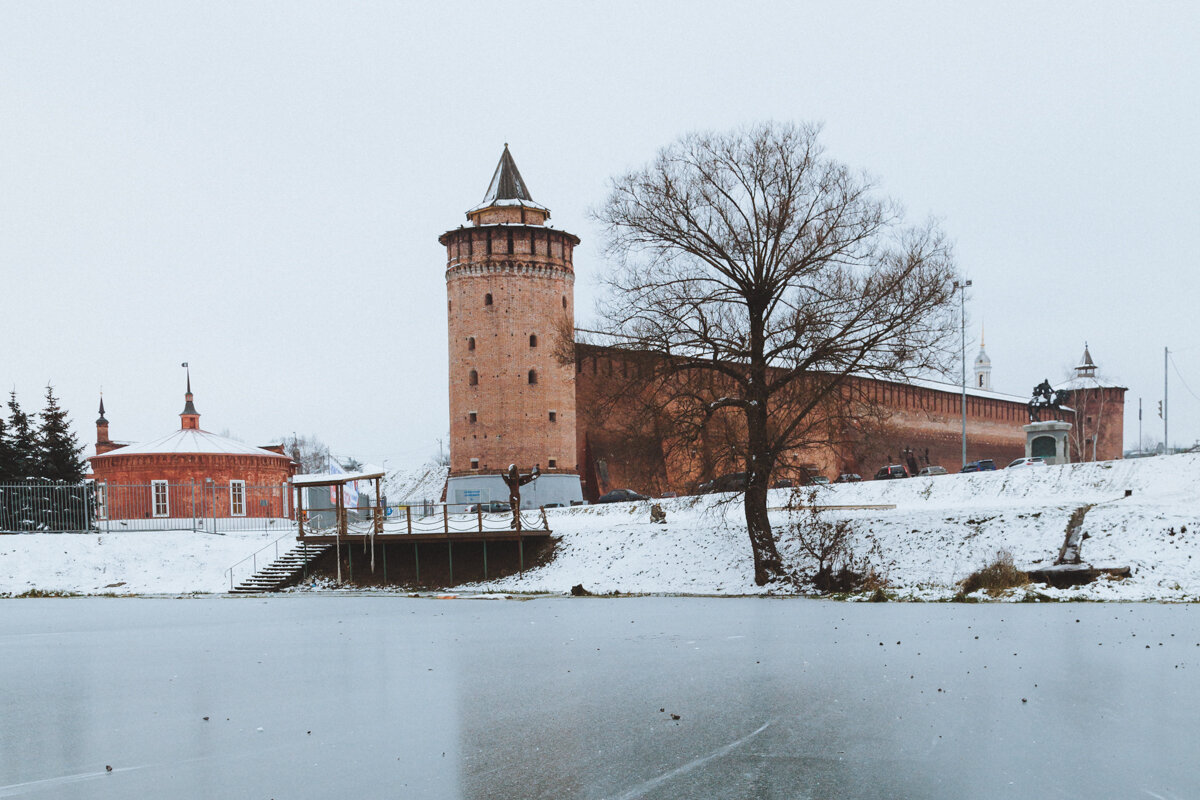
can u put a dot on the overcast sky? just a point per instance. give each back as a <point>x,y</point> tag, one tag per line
<point>258,188</point>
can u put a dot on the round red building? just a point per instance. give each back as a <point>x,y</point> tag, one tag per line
<point>189,474</point>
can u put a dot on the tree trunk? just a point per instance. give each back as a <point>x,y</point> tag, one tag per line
<point>767,564</point>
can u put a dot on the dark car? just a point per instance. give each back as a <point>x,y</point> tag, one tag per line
<point>494,507</point>
<point>891,472</point>
<point>982,465</point>
<point>733,482</point>
<point>621,496</point>
<point>817,480</point>
<point>848,477</point>
<point>783,483</point>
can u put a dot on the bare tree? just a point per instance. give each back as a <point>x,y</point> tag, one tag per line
<point>309,452</point>
<point>766,275</point>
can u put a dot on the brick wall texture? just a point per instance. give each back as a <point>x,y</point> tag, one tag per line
<point>509,289</point>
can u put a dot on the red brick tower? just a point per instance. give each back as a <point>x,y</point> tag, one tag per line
<point>509,285</point>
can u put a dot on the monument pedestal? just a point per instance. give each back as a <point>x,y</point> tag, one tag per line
<point>1048,440</point>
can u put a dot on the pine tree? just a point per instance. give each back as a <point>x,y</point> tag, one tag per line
<point>57,448</point>
<point>7,455</point>
<point>20,441</point>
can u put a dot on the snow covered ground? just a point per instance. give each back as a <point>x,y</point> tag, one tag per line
<point>941,530</point>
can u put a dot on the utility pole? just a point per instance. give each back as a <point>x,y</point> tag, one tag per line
<point>1166,441</point>
<point>962,315</point>
<point>1139,426</point>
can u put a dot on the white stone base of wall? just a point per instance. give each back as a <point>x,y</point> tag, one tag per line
<point>555,488</point>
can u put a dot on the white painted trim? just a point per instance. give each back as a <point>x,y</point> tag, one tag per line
<point>166,498</point>
<point>240,487</point>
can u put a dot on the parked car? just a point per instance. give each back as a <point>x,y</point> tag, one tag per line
<point>932,470</point>
<point>891,472</point>
<point>665,495</point>
<point>494,507</point>
<point>732,482</point>
<point>1036,461</point>
<point>621,496</point>
<point>982,465</point>
<point>817,480</point>
<point>848,477</point>
<point>783,483</point>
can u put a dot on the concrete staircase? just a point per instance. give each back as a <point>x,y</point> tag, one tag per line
<point>282,570</point>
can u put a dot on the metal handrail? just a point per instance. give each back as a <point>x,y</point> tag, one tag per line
<point>253,557</point>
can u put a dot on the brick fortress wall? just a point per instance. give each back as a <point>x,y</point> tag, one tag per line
<point>925,420</point>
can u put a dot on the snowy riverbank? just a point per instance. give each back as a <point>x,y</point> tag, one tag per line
<point>940,530</point>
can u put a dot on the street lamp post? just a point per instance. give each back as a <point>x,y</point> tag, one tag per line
<point>961,287</point>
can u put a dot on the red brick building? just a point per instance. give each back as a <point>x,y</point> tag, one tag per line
<point>510,292</point>
<point>189,473</point>
<point>515,398</point>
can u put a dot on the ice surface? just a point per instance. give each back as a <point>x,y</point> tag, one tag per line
<point>320,696</point>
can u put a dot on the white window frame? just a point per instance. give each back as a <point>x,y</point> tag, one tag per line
<point>237,492</point>
<point>166,498</point>
<point>101,501</point>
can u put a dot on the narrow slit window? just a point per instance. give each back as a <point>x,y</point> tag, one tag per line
<point>487,299</point>
<point>533,376</point>
<point>471,343</point>
<point>554,416</point>
<point>473,378</point>
<point>533,340</point>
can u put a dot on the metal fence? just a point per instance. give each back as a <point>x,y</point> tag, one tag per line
<point>159,505</point>
<point>37,505</point>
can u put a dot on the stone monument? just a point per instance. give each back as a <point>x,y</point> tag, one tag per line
<point>1047,439</point>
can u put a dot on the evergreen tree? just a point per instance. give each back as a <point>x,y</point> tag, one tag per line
<point>7,455</point>
<point>57,448</point>
<point>21,441</point>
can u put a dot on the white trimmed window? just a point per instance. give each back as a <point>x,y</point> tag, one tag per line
<point>474,463</point>
<point>162,506</point>
<point>101,501</point>
<point>237,498</point>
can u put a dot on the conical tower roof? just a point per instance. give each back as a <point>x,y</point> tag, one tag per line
<point>507,187</point>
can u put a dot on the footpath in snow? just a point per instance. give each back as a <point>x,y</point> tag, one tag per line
<point>941,530</point>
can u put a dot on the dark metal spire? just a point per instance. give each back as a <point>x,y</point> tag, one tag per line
<point>102,420</point>
<point>507,183</point>
<point>189,409</point>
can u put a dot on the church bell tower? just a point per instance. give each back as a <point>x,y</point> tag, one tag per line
<point>510,297</point>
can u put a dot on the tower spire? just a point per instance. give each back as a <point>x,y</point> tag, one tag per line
<point>190,417</point>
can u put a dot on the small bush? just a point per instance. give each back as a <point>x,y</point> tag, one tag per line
<point>830,549</point>
<point>997,576</point>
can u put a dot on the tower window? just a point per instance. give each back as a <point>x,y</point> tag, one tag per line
<point>533,376</point>
<point>474,463</point>
<point>510,243</point>
<point>471,343</point>
<point>533,340</point>
<point>554,416</point>
<point>473,378</point>
<point>473,416</point>
<point>564,301</point>
<point>487,299</point>
<point>552,463</point>
<point>980,381</point>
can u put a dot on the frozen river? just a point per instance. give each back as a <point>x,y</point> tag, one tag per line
<point>366,697</point>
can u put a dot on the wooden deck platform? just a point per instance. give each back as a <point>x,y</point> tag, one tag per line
<point>431,536</point>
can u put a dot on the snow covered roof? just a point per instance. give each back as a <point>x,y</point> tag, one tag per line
<point>329,478</point>
<point>507,187</point>
<point>1088,382</point>
<point>191,440</point>
<point>955,388</point>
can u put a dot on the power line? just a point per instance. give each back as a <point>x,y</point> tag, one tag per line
<point>1180,376</point>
